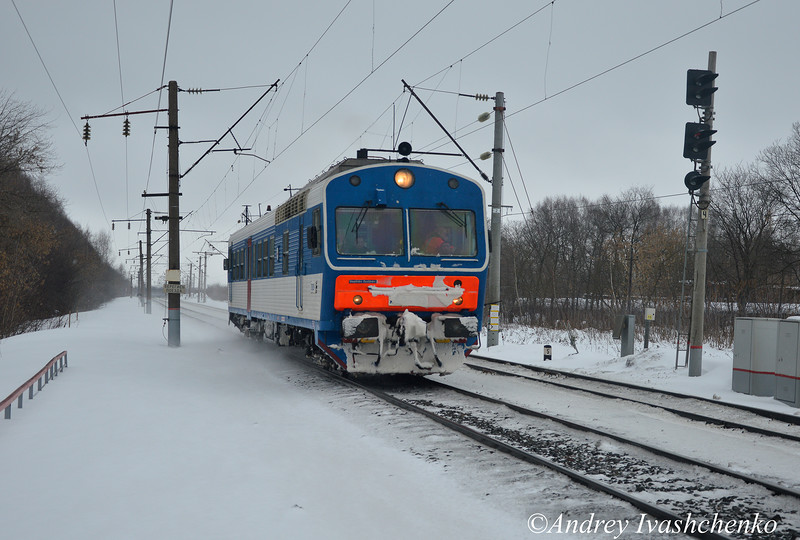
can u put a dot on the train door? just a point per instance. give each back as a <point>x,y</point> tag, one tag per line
<point>300,269</point>
<point>248,266</point>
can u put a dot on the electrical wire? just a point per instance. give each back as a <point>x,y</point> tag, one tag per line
<point>119,56</point>
<point>582,82</point>
<point>160,93</point>
<point>633,59</point>
<point>335,105</point>
<point>122,99</point>
<point>549,44</point>
<point>63,104</point>
<point>519,169</point>
<point>362,81</point>
<point>492,40</point>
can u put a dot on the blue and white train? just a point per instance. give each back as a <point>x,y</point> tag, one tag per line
<point>376,266</point>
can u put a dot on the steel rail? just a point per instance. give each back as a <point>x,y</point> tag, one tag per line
<point>491,442</point>
<point>775,488</point>
<point>773,415</point>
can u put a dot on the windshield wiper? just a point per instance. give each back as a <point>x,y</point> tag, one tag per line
<point>362,214</point>
<point>455,218</point>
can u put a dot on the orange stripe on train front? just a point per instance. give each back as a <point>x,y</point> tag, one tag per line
<point>396,293</point>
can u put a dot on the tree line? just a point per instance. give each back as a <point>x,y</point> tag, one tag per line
<point>49,267</point>
<point>577,263</point>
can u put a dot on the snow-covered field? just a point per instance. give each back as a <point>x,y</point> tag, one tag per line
<point>653,367</point>
<point>216,439</point>
<point>209,440</point>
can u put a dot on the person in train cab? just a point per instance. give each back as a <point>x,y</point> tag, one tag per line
<point>438,243</point>
<point>355,245</point>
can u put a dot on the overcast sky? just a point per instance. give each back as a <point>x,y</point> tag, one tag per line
<point>340,66</point>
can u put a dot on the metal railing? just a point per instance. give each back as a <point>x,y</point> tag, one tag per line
<point>45,375</point>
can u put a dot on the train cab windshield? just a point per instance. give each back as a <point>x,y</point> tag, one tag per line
<point>369,231</point>
<point>443,232</point>
<point>439,232</point>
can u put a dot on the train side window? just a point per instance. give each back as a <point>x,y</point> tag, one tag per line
<point>271,254</point>
<point>260,270</point>
<point>256,259</point>
<point>262,263</point>
<point>300,248</point>
<point>285,253</point>
<point>248,262</point>
<point>316,232</point>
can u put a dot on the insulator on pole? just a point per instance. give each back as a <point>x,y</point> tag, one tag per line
<point>87,133</point>
<point>482,97</point>
<point>126,127</point>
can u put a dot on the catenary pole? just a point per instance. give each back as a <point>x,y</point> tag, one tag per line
<point>149,304</point>
<point>493,289</point>
<point>173,274</point>
<point>701,244</point>
<point>141,275</point>
<point>205,277</point>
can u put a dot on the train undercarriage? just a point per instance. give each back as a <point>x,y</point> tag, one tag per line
<point>374,343</point>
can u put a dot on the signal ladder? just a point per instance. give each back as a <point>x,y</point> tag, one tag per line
<point>684,317</point>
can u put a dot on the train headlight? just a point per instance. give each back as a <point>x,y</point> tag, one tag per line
<point>404,178</point>
<point>357,299</point>
<point>458,301</point>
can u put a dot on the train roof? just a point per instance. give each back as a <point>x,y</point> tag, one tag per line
<point>355,163</point>
<point>297,203</point>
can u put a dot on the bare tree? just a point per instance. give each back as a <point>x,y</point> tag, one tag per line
<point>781,173</point>
<point>745,233</point>
<point>24,145</point>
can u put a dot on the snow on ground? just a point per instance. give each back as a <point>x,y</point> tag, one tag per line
<point>209,440</point>
<point>653,367</point>
<point>214,440</point>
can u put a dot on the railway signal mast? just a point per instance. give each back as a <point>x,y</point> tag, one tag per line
<point>700,91</point>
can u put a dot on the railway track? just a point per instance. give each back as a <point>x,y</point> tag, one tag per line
<point>728,415</point>
<point>667,486</point>
<point>670,487</point>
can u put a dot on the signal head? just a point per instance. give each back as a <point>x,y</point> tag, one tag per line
<point>694,180</point>
<point>697,141</point>
<point>700,87</point>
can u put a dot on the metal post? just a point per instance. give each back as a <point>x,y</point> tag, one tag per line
<point>205,276</point>
<point>493,288</point>
<point>149,305</point>
<point>701,251</point>
<point>173,275</point>
<point>141,275</point>
<point>199,275</point>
